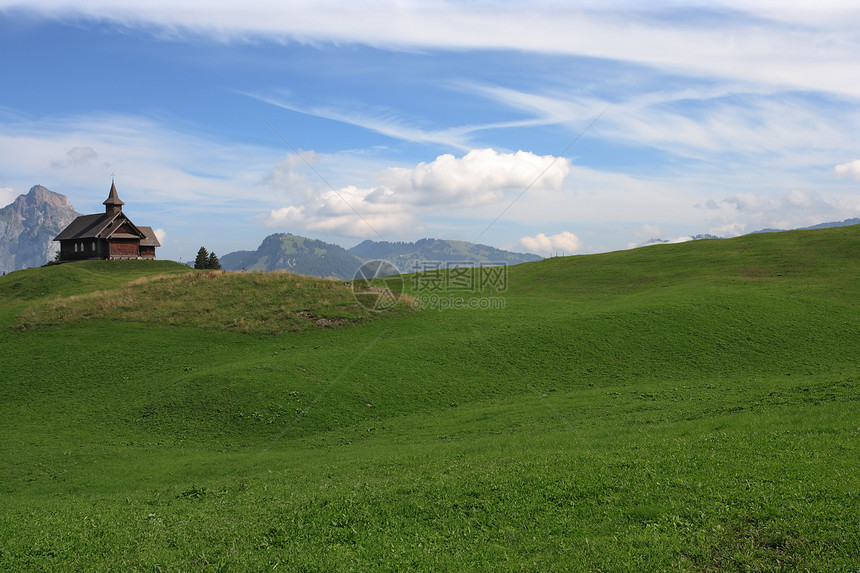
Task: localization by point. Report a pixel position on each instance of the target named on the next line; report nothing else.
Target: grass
(683, 407)
(246, 302)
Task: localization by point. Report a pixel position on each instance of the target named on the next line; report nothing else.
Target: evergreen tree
(213, 262)
(202, 259)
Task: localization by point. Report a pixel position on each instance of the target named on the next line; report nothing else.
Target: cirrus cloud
(735, 44)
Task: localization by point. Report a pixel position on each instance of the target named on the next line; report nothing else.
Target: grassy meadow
(689, 407)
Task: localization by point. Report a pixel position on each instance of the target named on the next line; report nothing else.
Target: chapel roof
(149, 239)
(113, 196)
(86, 226)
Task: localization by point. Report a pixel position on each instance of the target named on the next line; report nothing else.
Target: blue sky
(549, 127)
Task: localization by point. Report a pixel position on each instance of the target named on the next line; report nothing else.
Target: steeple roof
(113, 198)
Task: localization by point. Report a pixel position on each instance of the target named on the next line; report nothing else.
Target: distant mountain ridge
(829, 225)
(845, 223)
(405, 255)
(304, 256)
(28, 226)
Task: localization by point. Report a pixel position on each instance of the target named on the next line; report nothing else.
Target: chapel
(108, 235)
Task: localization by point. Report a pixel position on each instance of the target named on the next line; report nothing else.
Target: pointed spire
(113, 203)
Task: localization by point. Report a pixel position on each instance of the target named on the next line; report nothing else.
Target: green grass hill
(689, 407)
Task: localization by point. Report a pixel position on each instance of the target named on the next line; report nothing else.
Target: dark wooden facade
(108, 235)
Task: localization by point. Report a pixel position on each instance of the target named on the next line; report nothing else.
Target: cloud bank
(402, 197)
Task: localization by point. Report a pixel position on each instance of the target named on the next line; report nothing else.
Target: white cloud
(480, 177)
(729, 230)
(797, 208)
(7, 195)
(285, 216)
(345, 212)
(564, 242)
(850, 169)
(160, 234)
(653, 235)
(401, 197)
(659, 241)
(645, 233)
(76, 157)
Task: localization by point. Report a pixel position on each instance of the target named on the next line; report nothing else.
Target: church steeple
(113, 204)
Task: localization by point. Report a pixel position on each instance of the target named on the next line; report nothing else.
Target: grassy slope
(256, 302)
(687, 407)
(20, 289)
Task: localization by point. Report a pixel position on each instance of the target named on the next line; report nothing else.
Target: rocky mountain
(28, 226)
(411, 257)
(300, 255)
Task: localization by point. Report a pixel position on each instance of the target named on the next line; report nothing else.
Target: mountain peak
(296, 254)
(28, 226)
